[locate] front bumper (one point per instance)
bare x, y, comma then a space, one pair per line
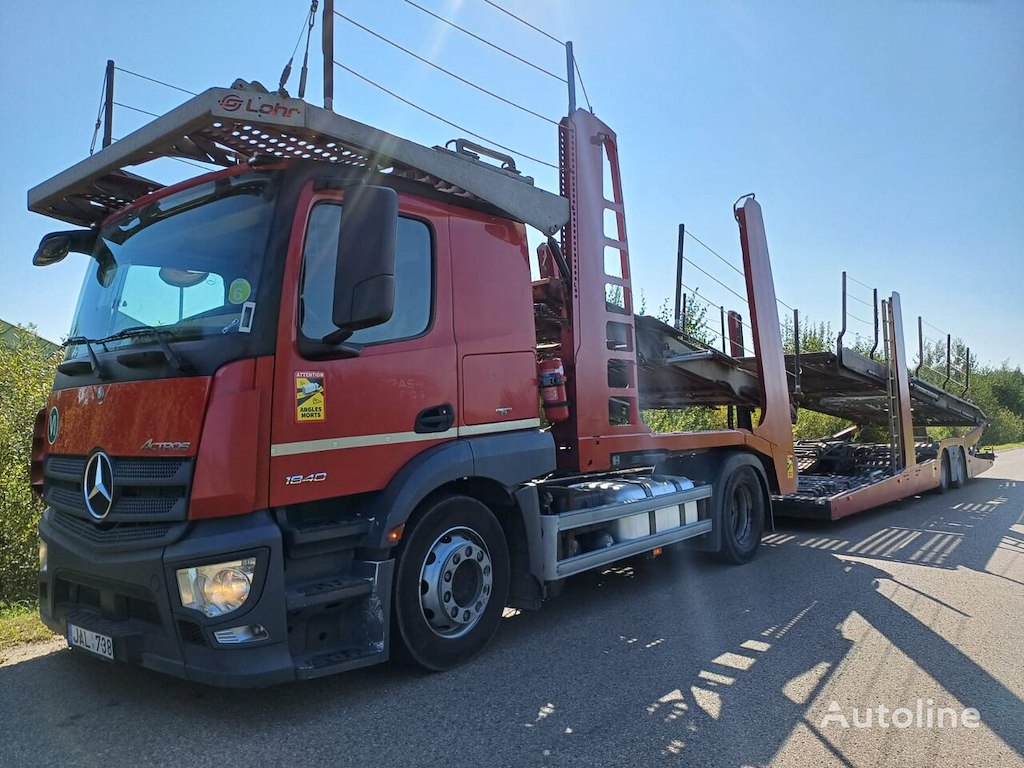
128, 592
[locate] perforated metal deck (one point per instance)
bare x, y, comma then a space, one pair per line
225, 126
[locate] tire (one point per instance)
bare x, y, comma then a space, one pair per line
743, 509
962, 479
945, 474
454, 559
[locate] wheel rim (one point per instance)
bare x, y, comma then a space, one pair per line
739, 515
455, 582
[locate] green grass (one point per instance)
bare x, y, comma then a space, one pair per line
20, 624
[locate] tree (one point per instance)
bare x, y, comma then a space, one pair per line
999, 392
27, 367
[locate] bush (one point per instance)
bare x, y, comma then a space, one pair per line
27, 366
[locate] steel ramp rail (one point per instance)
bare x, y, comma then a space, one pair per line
226, 126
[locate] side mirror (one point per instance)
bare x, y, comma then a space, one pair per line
56, 245
364, 280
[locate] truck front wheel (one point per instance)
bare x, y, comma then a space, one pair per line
451, 583
742, 514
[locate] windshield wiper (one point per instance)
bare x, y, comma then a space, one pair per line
162, 336
74, 367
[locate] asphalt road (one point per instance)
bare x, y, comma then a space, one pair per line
674, 661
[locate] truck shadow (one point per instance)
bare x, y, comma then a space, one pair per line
675, 659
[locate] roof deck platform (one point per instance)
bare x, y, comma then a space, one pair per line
228, 126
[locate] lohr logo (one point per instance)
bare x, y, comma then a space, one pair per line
254, 105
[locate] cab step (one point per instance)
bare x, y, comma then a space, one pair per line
332, 662
325, 591
311, 539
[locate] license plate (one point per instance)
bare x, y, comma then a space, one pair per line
91, 641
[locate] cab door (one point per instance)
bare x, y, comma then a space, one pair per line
345, 424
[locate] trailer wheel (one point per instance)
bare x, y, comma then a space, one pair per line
451, 583
945, 473
961, 480
742, 514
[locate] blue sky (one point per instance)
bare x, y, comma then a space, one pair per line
884, 138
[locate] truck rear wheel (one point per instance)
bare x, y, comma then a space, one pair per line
945, 473
451, 583
743, 510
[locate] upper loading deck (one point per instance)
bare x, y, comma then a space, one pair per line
676, 371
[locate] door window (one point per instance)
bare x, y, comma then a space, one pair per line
413, 279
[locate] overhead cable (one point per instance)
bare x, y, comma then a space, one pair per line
179, 159
711, 305
857, 298
99, 115
135, 109
858, 282
307, 30
524, 21
154, 80
551, 37
189, 162
579, 76
730, 290
446, 71
441, 119
727, 263
488, 42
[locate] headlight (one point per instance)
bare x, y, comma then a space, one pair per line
42, 556
216, 589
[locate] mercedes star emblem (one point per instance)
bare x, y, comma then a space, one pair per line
98, 485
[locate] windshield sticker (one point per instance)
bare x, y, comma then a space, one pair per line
310, 396
239, 291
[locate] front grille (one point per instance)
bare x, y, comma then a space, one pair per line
118, 535
148, 507
148, 468
146, 489
73, 466
64, 497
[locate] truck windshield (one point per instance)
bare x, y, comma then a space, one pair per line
186, 264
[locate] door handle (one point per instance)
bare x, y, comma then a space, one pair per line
438, 418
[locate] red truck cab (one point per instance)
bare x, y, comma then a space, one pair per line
298, 427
